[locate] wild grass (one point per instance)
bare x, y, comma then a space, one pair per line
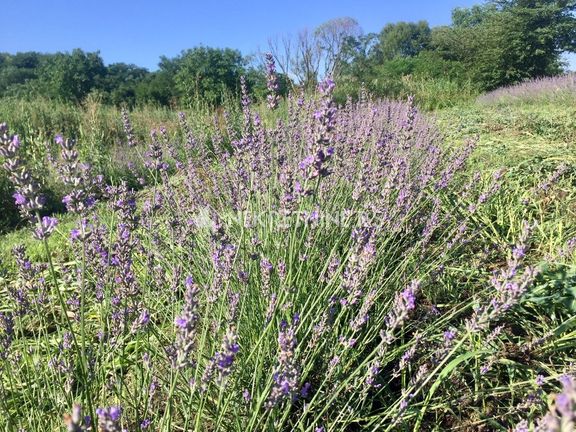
533, 134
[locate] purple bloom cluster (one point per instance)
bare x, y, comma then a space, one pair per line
562, 414
403, 304
128, 130
109, 419
45, 227
6, 334
225, 357
272, 82
77, 176
27, 195
553, 178
155, 154
533, 89
509, 284
186, 324
359, 262
321, 151
287, 374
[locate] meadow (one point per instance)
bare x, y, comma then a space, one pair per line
294, 265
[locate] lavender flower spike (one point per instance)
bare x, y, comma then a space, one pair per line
287, 373
225, 358
562, 416
109, 419
186, 325
272, 82
45, 227
403, 304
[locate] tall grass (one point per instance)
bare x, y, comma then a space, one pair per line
429, 93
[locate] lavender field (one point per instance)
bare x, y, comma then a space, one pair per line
299, 266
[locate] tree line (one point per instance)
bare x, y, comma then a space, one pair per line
496, 43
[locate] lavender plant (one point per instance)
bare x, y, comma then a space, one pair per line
543, 89
336, 269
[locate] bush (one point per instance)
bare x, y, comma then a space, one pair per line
338, 270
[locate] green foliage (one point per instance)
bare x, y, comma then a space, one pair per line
528, 133
156, 88
504, 42
121, 82
403, 39
433, 81
10, 213
71, 77
487, 46
17, 70
206, 74
472, 17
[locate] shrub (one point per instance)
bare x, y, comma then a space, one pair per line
338, 270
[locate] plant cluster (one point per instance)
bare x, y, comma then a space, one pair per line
328, 272
553, 88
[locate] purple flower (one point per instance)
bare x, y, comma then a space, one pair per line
109, 419
287, 373
271, 82
19, 199
6, 333
74, 234
449, 335
186, 325
403, 304
305, 390
141, 322
522, 427
409, 299
246, 395
225, 357
45, 228
372, 375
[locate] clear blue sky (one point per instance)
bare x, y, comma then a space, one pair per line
140, 32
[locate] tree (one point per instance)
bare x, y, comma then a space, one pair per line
403, 39
307, 59
18, 70
71, 76
332, 38
121, 81
204, 73
157, 88
506, 41
358, 55
473, 16
312, 55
